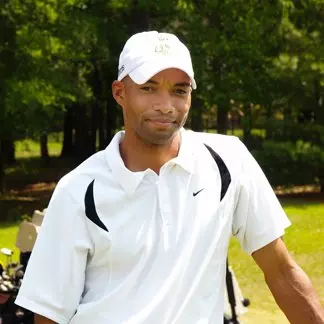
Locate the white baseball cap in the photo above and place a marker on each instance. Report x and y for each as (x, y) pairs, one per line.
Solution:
(148, 53)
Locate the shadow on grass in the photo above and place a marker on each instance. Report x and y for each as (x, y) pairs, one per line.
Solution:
(8, 224)
(30, 183)
(35, 170)
(302, 200)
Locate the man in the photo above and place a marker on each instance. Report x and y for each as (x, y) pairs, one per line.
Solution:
(137, 234)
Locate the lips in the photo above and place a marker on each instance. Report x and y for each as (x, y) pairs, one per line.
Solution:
(161, 120)
(164, 123)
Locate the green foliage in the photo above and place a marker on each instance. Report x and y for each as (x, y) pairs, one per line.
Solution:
(262, 59)
(280, 130)
(299, 68)
(289, 164)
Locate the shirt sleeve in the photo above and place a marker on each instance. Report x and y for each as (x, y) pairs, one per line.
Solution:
(54, 280)
(258, 217)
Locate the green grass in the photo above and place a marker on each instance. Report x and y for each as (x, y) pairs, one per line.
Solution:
(305, 241)
(8, 233)
(27, 148)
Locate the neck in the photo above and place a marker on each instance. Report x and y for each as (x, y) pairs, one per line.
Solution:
(139, 156)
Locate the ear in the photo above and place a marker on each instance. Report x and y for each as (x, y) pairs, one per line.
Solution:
(118, 92)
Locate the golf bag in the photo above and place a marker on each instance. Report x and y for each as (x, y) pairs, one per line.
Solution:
(10, 280)
(11, 276)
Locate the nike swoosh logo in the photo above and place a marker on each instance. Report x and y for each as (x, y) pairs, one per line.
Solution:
(197, 192)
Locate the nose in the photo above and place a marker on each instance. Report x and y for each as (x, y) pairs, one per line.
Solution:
(164, 103)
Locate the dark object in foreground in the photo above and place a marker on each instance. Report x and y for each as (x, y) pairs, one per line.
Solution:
(10, 280)
(233, 319)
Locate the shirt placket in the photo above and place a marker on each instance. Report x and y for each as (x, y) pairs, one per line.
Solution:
(165, 208)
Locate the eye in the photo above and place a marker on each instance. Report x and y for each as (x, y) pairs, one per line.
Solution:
(180, 92)
(147, 89)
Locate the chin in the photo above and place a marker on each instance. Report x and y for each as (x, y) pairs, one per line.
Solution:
(157, 138)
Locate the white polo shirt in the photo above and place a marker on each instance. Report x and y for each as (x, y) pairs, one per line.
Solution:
(150, 248)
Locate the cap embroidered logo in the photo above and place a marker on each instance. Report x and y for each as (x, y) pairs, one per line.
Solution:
(162, 49)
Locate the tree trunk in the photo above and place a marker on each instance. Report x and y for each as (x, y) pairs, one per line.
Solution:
(138, 19)
(79, 131)
(112, 115)
(8, 151)
(68, 143)
(101, 128)
(82, 136)
(196, 115)
(2, 171)
(246, 124)
(44, 149)
(94, 126)
(97, 88)
(222, 123)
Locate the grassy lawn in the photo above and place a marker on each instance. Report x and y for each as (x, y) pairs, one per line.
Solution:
(28, 148)
(305, 240)
(8, 232)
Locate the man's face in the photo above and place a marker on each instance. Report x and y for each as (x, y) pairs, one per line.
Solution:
(156, 110)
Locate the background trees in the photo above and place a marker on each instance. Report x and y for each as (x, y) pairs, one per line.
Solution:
(257, 64)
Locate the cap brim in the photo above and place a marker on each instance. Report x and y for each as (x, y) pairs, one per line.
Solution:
(147, 70)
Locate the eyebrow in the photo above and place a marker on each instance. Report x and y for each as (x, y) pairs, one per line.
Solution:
(151, 82)
(181, 84)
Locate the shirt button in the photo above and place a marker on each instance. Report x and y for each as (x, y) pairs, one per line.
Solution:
(167, 223)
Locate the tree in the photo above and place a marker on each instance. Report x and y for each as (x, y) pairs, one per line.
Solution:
(232, 44)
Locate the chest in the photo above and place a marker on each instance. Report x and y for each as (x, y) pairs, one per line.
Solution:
(165, 217)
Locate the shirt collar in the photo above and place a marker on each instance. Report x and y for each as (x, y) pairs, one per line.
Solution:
(130, 180)
(185, 158)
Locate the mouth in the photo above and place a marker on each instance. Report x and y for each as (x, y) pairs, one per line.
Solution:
(161, 122)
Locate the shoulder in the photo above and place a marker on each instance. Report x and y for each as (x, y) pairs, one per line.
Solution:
(236, 157)
(226, 146)
(219, 141)
(76, 181)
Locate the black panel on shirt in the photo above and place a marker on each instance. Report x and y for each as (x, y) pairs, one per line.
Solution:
(224, 173)
(90, 208)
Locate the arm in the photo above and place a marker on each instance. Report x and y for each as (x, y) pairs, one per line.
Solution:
(43, 320)
(289, 284)
(58, 261)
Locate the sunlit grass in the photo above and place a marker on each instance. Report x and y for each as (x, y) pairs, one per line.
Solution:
(8, 233)
(305, 241)
(27, 148)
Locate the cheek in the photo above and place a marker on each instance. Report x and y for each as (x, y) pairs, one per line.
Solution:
(183, 106)
(135, 106)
